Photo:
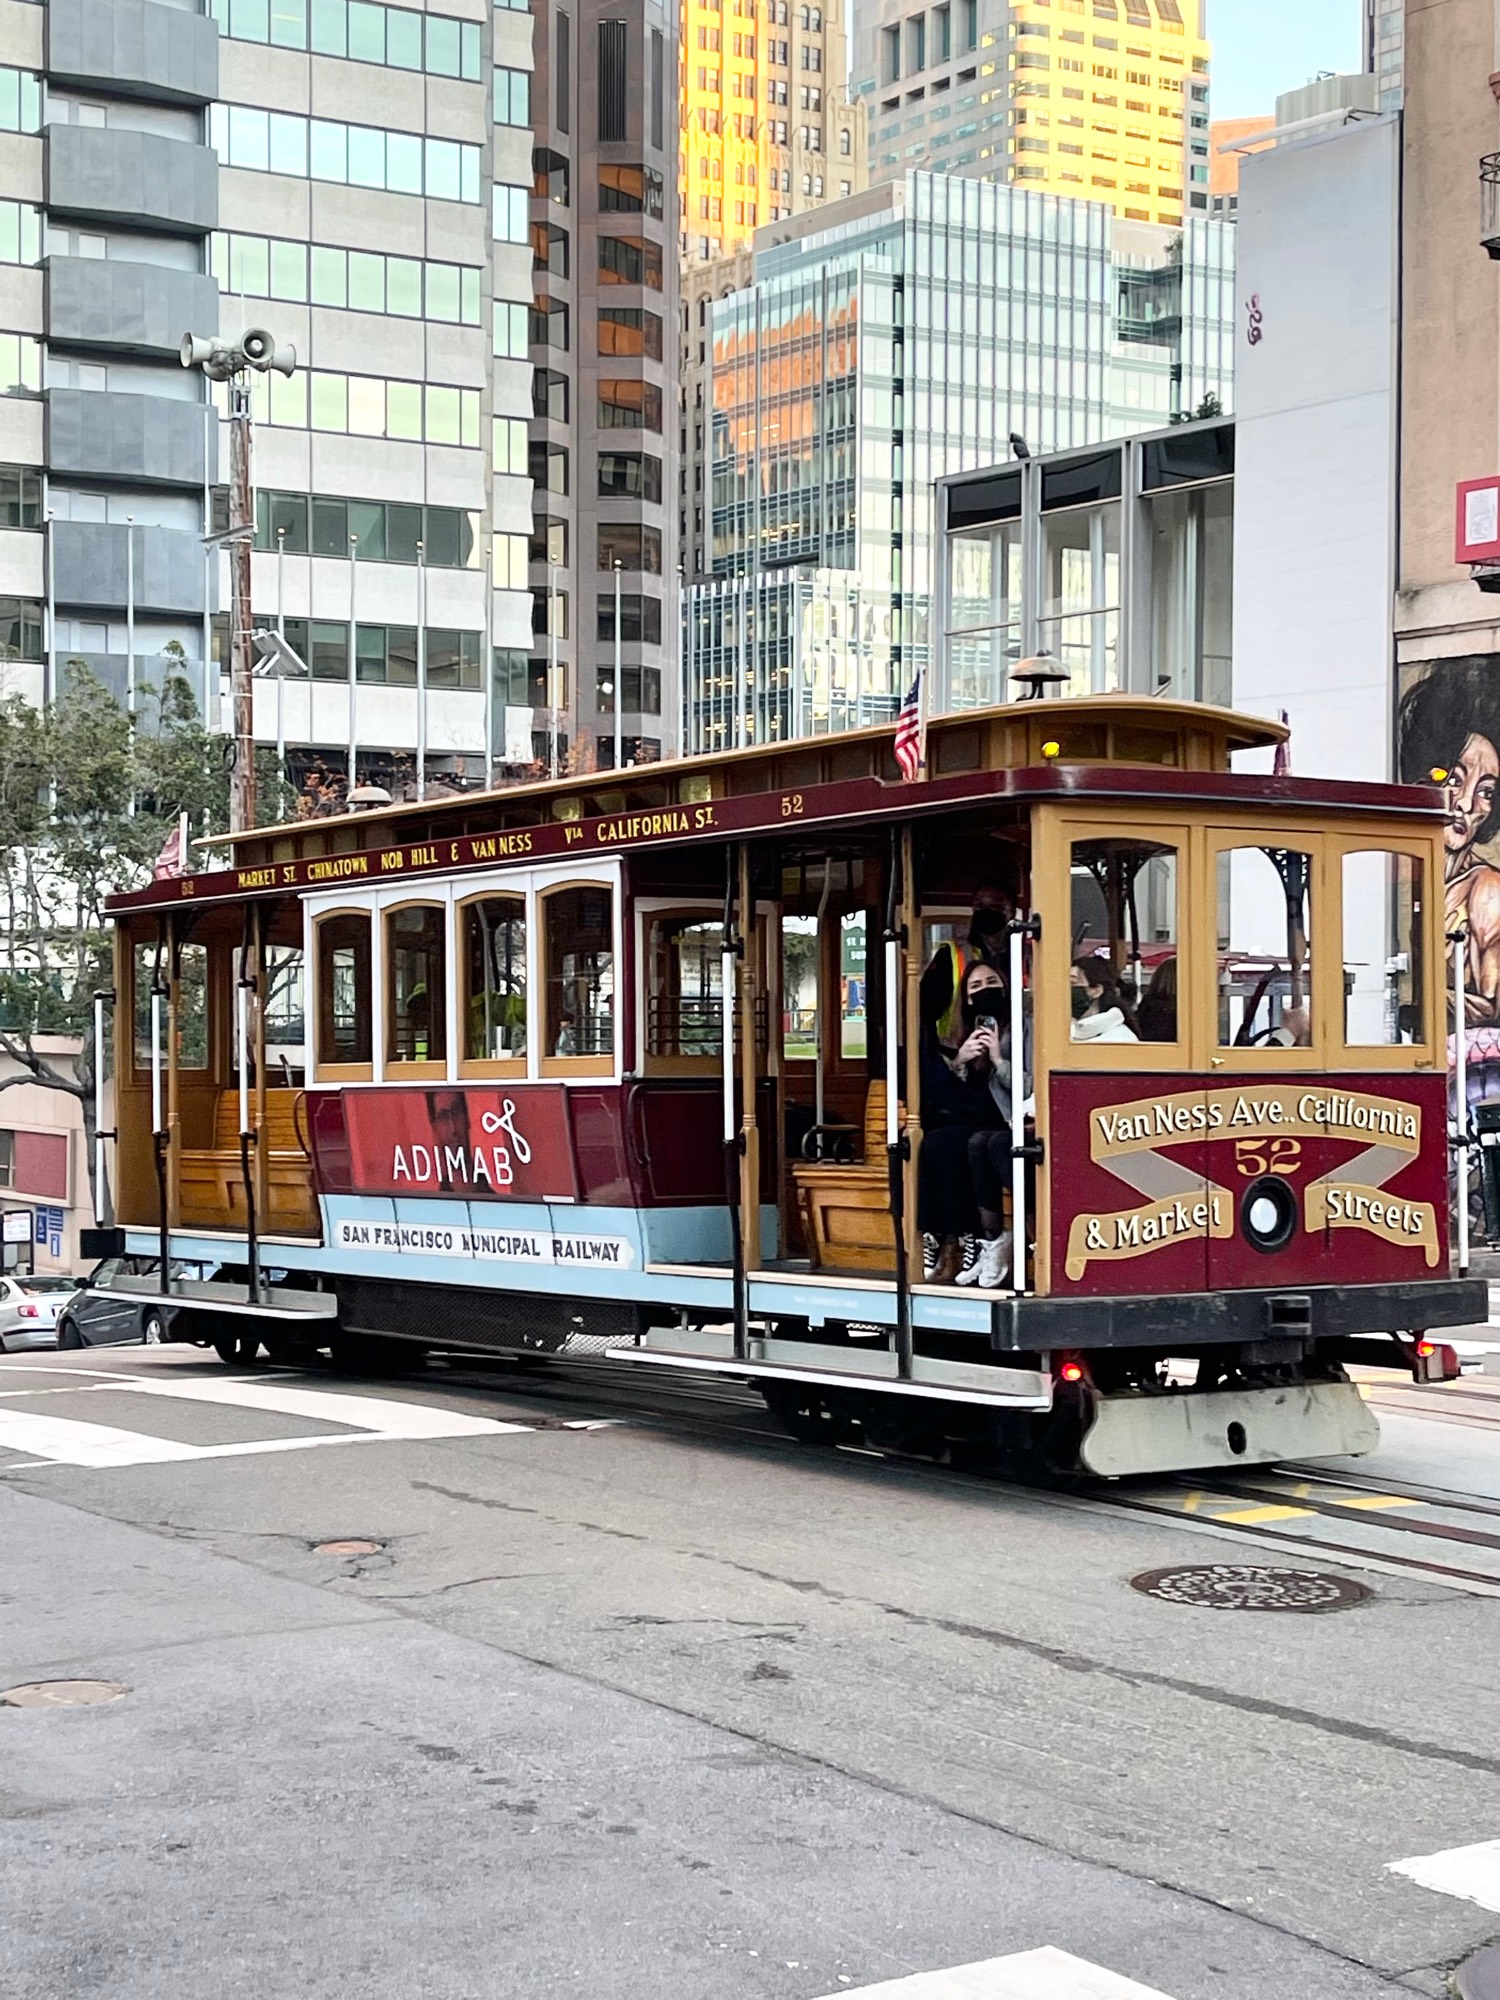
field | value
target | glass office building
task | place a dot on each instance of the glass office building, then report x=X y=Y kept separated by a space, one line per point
x=886 y=343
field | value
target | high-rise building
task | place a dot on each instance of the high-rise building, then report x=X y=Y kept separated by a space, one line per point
x=1385 y=49
x=768 y=127
x=1107 y=99
x=1237 y=136
x=894 y=338
x=603 y=332
x=479 y=281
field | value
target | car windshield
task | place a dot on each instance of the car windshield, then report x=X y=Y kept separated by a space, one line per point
x=34 y=1285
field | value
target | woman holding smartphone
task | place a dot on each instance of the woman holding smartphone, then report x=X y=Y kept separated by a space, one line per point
x=964 y=1164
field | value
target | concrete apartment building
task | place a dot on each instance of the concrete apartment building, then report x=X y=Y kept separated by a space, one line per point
x=1105 y=99
x=476 y=277
x=1385 y=49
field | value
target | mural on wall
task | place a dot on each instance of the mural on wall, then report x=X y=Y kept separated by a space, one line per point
x=1448 y=720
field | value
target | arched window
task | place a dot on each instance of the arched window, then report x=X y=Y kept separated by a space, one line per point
x=492 y=996
x=578 y=939
x=416 y=987
x=345 y=1001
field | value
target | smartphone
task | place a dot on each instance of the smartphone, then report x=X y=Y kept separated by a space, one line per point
x=987 y=1023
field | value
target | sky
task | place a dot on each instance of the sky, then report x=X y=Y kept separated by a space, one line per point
x=1261 y=47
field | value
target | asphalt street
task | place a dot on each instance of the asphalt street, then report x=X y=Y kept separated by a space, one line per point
x=634 y=1697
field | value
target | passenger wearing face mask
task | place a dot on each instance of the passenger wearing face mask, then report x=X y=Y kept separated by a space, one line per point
x=1101 y=1013
x=965 y=1161
x=942 y=982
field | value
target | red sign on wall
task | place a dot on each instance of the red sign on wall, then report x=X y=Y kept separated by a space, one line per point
x=1476 y=535
x=491 y=1143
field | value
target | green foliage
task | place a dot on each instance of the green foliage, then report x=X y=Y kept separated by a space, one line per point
x=86 y=805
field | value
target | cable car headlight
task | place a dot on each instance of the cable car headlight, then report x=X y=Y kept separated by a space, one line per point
x=1268 y=1214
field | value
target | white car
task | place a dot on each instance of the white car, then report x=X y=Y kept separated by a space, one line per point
x=28 y=1311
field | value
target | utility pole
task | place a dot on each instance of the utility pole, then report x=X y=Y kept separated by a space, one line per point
x=228 y=361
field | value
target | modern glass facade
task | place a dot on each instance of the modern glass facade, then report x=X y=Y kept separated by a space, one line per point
x=871 y=357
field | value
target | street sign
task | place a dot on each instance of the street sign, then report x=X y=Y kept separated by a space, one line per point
x=16 y=1225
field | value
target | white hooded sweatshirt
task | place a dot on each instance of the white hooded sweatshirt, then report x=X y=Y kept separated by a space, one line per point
x=1106 y=1027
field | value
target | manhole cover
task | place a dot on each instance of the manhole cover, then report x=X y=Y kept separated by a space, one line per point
x=62 y=1694
x=1478 y=1978
x=1251 y=1587
x=349 y=1548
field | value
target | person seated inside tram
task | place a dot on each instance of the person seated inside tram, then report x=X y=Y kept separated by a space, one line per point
x=964 y=1164
x=1295 y=1030
x=1156 y=1017
x=1101 y=1012
x=992 y=910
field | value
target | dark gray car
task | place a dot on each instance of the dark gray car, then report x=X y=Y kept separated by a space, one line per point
x=94 y=1319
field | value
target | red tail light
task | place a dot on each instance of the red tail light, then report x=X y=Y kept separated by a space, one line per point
x=28 y=1312
x=1426 y=1347
x=1070 y=1371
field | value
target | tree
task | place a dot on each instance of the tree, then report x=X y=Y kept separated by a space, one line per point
x=87 y=802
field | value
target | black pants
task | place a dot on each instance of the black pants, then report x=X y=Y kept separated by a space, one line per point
x=960 y=1171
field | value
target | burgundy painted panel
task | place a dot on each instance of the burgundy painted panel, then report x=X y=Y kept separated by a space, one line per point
x=1363 y=1158
x=41 y=1163
x=599 y=1146
x=475 y=1143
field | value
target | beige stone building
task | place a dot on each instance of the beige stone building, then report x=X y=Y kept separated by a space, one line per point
x=44 y=1164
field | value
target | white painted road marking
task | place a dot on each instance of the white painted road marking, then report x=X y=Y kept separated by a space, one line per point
x=1047 y=1974
x=366 y=1413
x=1470 y=1872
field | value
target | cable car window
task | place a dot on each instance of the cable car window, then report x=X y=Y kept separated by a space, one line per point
x=192 y=1007
x=580 y=972
x=1265 y=958
x=853 y=985
x=345 y=1002
x=494 y=961
x=799 y=985
x=685 y=984
x=1123 y=980
x=416 y=985
x=1385 y=987
x=283 y=1005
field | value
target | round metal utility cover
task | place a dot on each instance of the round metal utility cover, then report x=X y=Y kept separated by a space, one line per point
x=1251 y=1587
x=350 y=1548
x=1478 y=1978
x=62 y=1694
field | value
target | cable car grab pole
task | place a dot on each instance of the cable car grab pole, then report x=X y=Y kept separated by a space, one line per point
x=245 y=992
x=728 y=953
x=1461 y=1101
x=1021 y=1151
x=895 y=1142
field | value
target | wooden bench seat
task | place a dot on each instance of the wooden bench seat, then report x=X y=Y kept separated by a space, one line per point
x=846 y=1208
x=211 y=1183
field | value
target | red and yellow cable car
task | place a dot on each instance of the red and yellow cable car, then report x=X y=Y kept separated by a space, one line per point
x=668 y=1064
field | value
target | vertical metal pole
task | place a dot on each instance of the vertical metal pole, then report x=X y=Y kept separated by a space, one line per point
x=619 y=680
x=241 y=661
x=281 y=674
x=49 y=665
x=895 y=1150
x=421 y=670
x=551 y=671
x=160 y=1138
x=728 y=950
x=100 y=1135
x=1461 y=1104
x=245 y=992
x=353 y=671
x=1017 y=1099
x=130 y=618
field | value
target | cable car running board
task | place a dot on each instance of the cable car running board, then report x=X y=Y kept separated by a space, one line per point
x=218 y=1295
x=707 y=1352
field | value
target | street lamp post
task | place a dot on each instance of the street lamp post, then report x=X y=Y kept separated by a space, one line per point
x=619 y=680
x=353 y=674
x=229 y=362
x=421 y=670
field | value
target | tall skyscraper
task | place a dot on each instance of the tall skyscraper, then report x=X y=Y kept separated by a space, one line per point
x=603 y=325
x=1102 y=98
x=892 y=338
x=768 y=126
x=1385 y=50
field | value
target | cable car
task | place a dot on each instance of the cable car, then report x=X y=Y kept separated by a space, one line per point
x=663 y=1065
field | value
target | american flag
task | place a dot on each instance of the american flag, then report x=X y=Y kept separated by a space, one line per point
x=908 y=743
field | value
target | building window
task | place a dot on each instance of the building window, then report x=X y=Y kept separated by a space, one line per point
x=640 y=619
x=510 y=555
x=630 y=190
x=630 y=330
x=640 y=690
x=549 y=395
x=20 y=365
x=365 y=406
x=631 y=546
x=658 y=88
x=629 y=474
x=322 y=274
x=511 y=334
x=509 y=448
x=359 y=32
x=564 y=80
x=20 y=101
x=20 y=629
x=549 y=323
x=281 y=142
x=614 y=80
x=20 y=233
x=387 y=531
x=548 y=467
x=20 y=496
x=512 y=97
x=627 y=261
x=628 y=405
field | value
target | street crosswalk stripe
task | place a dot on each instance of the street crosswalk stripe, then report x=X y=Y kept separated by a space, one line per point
x=1470 y=1872
x=1045 y=1974
x=66 y=1442
x=368 y=1413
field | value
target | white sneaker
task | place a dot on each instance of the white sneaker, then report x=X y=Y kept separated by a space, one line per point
x=994 y=1262
x=931 y=1248
x=968 y=1270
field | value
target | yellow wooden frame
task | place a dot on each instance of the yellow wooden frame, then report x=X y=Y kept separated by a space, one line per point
x=421 y=1069
x=650 y=1065
x=487 y=1066
x=581 y=1066
x=339 y=1072
x=1431 y=1051
x=1223 y=834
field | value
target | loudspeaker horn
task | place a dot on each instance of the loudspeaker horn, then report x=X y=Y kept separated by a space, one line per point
x=261 y=351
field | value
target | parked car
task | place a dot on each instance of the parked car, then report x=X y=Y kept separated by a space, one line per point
x=29 y=1309
x=92 y=1318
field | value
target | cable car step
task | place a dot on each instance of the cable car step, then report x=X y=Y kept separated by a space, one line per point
x=217 y=1295
x=710 y=1352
